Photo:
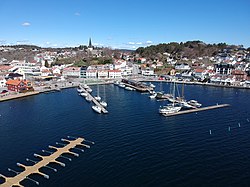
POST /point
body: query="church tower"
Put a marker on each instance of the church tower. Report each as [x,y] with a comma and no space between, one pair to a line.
[90,44]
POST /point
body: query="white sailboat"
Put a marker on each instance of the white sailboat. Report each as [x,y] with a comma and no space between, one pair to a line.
[98,98]
[97,109]
[103,103]
[170,108]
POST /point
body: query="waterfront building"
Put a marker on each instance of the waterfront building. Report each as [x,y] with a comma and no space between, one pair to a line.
[223,68]
[113,74]
[102,74]
[91,74]
[83,72]
[71,72]
[19,85]
[182,66]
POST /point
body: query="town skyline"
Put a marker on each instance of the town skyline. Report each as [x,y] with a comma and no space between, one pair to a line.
[123,25]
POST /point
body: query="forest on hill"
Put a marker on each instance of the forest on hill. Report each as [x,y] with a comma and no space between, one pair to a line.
[189,49]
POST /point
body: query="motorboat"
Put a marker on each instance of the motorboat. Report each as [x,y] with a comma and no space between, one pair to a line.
[89,90]
[129,88]
[103,103]
[98,98]
[152,85]
[152,96]
[79,90]
[121,85]
[97,109]
[85,86]
[194,103]
[88,99]
[84,94]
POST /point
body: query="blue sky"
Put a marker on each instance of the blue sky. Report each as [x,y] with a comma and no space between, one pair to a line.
[123,23]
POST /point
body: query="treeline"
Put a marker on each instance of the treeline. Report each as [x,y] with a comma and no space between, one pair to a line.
[190,49]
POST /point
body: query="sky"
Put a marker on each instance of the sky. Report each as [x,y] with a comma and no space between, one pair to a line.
[126,24]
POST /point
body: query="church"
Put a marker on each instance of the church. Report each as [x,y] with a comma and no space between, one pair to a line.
[92,51]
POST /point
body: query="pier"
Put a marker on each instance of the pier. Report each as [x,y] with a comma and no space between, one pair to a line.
[15,181]
[104,110]
[197,110]
[138,86]
[18,95]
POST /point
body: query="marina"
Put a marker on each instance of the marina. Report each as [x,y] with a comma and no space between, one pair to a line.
[98,106]
[196,110]
[127,137]
[28,170]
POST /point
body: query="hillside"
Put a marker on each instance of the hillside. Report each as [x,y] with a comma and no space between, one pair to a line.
[190,49]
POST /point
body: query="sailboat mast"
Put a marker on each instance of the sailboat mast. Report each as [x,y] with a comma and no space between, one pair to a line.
[174,93]
[182,90]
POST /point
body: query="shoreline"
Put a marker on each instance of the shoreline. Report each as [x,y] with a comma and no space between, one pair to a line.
[198,83]
[67,85]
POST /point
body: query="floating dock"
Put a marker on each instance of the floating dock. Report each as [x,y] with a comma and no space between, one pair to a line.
[138,86]
[70,144]
[197,110]
[104,110]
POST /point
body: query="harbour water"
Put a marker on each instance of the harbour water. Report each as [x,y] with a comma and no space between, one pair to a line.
[134,145]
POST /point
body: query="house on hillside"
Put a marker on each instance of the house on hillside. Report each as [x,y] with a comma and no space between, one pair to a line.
[147,71]
[19,85]
[71,72]
[2,82]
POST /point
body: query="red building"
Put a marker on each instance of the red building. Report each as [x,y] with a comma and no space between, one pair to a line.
[19,85]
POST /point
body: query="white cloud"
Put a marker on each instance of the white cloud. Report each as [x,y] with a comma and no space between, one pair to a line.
[131,43]
[77,14]
[149,42]
[26,24]
[134,47]
[21,42]
[47,43]
[139,43]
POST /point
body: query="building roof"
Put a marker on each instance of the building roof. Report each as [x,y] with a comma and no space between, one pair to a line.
[13,82]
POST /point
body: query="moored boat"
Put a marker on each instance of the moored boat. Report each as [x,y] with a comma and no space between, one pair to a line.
[103,103]
[169,109]
[84,94]
[129,88]
[97,109]
[194,103]
[153,96]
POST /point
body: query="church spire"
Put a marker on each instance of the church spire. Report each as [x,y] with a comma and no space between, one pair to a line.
[90,43]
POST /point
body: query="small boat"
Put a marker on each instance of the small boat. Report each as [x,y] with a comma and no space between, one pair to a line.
[98,98]
[153,96]
[88,98]
[152,85]
[79,90]
[84,94]
[116,83]
[89,90]
[103,103]
[97,109]
[121,85]
[85,86]
[129,88]
[194,103]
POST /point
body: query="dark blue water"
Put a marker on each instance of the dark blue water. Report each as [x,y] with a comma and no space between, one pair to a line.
[135,146]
